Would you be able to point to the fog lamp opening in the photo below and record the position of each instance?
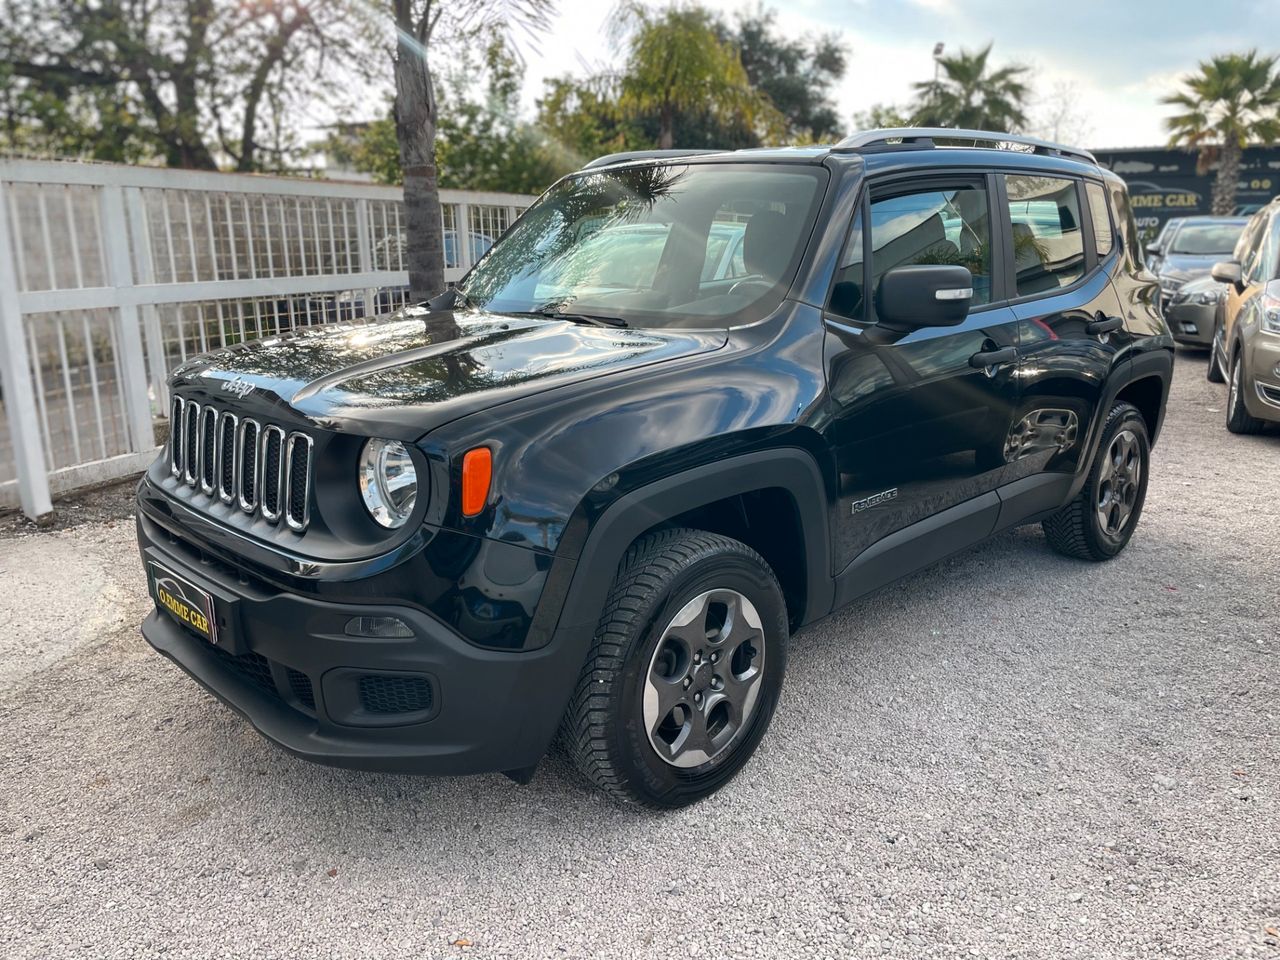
(378, 628)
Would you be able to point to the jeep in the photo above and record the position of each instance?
(689, 403)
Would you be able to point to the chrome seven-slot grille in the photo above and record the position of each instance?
(259, 467)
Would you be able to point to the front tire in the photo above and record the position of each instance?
(1239, 419)
(684, 673)
(1099, 522)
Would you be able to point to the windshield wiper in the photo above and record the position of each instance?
(589, 319)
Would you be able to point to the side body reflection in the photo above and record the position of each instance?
(912, 413)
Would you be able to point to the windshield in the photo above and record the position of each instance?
(1207, 238)
(690, 245)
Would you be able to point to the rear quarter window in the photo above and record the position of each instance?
(1122, 214)
(1100, 216)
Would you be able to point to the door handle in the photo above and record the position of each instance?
(990, 358)
(1103, 325)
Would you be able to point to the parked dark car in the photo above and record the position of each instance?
(1193, 247)
(1193, 310)
(1246, 339)
(578, 496)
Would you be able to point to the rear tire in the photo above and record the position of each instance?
(1239, 419)
(684, 673)
(1099, 522)
(1214, 373)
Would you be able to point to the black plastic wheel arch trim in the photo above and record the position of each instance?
(789, 468)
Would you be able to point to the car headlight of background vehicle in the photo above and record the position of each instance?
(1202, 297)
(388, 482)
(1270, 312)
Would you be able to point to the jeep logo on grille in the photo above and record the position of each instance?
(238, 386)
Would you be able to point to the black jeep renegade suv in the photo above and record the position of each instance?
(685, 406)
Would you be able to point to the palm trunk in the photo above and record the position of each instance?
(1227, 180)
(415, 111)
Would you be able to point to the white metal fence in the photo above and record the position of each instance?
(112, 275)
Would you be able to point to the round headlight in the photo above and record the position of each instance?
(388, 482)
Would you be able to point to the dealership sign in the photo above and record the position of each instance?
(1164, 183)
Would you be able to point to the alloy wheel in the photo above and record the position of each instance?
(703, 682)
(1119, 483)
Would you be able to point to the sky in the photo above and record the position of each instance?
(1116, 57)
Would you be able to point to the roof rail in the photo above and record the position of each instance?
(924, 137)
(609, 159)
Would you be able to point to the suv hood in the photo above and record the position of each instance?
(406, 374)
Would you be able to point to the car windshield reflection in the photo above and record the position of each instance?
(689, 245)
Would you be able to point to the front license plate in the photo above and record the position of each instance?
(185, 602)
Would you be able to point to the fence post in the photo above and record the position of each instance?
(15, 377)
(115, 244)
(364, 248)
(462, 235)
(144, 271)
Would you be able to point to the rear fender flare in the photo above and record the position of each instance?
(1140, 367)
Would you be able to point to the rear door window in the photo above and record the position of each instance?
(1048, 246)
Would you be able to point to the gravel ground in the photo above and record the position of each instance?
(1010, 755)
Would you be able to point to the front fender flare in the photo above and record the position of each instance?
(789, 468)
(578, 589)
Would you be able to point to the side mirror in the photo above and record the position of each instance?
(1153, 249)
(923, 295)
(1227, 271)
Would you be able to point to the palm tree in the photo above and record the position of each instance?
(676, 63)
(1232, 101)
(965, 94)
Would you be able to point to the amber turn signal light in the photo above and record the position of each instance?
(477, 471)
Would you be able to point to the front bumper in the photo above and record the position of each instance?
(1191, 323)
(1262, 375)
(433, 703)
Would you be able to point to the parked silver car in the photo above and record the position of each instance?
(1192, 309)
(1194, 246)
